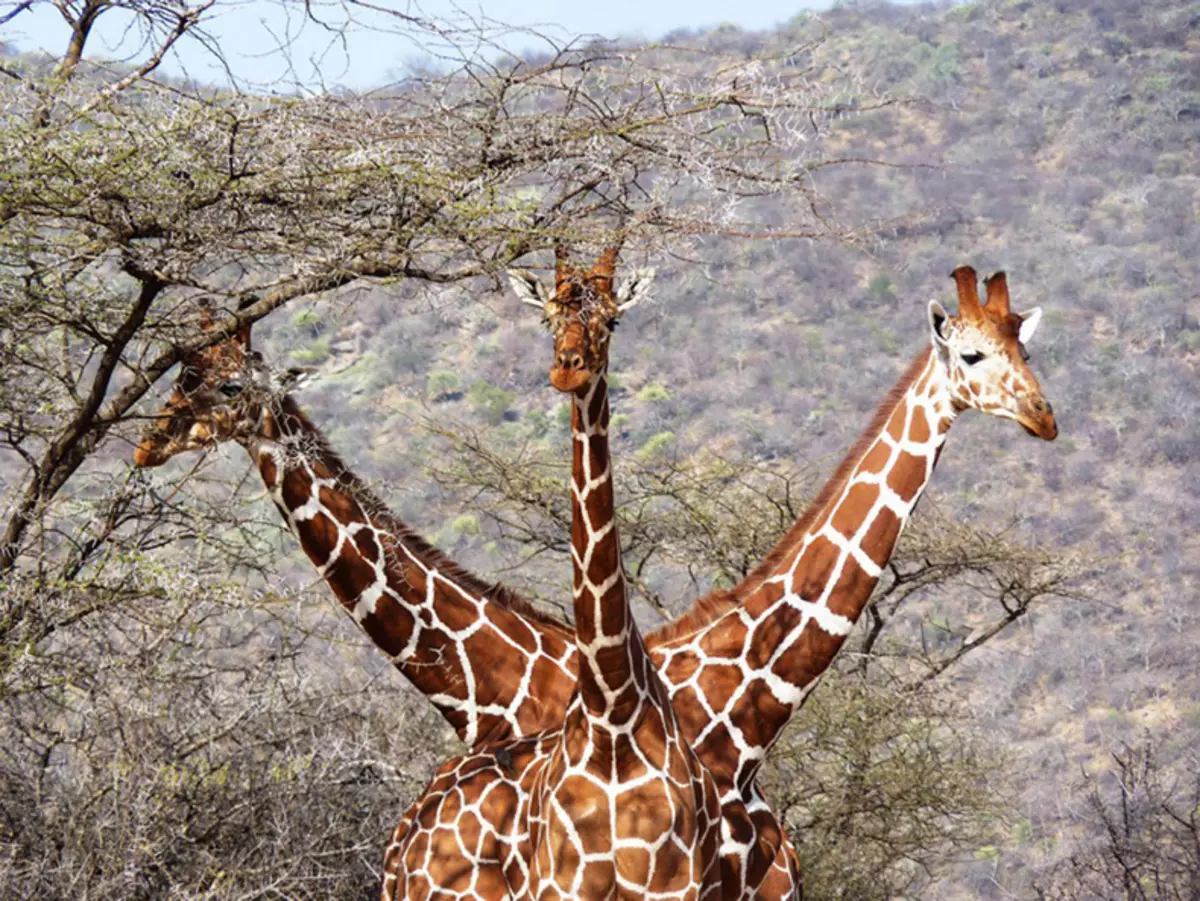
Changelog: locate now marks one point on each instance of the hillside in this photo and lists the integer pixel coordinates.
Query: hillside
(1057, 141)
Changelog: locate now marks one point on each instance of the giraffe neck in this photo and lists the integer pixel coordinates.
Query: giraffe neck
(472, 649)
(612, 658)
(792, 613)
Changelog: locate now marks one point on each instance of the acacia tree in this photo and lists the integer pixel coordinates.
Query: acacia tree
(1141, 832)
(164, 730)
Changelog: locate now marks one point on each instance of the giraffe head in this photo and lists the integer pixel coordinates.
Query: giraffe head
(983, 350)
(581, 313)
(218, 396)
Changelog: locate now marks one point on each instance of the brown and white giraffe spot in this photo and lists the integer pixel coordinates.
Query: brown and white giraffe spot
(633, 864)
(599, 880)
(876, 459)
(769, 634)
(852, 585)
(517, 630)
(681, 667)
(390, 626)
(908, 476)
(718, 751)
(451, 610)
(741, 829)
(417, 885)
(318, 536)
(652, 739)
(555, 689)
(602, 569)
(814, 569)
(918, 426)
(499, 806)
(589, 812)
(646, 812)
(368, 546)
(341, 505)
(853, 508)
(444, 846)
(880, 540)
(758, 712)
(575, 743)
(296, 488)
(808, 657)
(349, 575)
(598, 448)
(720, 681)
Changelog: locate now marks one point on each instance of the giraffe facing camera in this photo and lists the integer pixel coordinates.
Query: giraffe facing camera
(581, 313)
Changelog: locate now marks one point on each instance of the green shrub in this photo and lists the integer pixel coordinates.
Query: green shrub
(488, 400)
(653, 392)
(441, 384)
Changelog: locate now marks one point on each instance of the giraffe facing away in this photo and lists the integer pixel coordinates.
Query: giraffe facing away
(494, 666)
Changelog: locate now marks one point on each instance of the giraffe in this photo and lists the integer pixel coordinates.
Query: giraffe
(623, 807)
(742, 661)
(494, 666)
(615, 804)
(469, 835)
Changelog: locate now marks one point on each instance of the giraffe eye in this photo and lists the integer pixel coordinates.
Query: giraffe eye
(972, 357)
(231, 389)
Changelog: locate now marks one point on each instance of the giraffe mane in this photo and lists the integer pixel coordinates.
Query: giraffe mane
(377, 509)
(718, 602)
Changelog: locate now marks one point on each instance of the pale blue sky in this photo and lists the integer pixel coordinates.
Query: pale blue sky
(250, 31)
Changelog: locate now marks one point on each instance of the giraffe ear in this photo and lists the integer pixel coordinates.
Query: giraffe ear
(937, 322)
(635, 289)
(1029, 324)
(528, 287)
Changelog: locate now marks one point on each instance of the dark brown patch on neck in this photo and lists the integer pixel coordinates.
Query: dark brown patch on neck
(716, 604)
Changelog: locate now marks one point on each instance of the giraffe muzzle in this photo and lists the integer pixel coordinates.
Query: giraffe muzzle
(1037, 418)
(569, 372)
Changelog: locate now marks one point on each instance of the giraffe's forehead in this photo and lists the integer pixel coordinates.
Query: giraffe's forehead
(584, 299)
(994, 336)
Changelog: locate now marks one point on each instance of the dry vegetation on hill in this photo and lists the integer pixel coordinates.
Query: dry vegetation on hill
(183, 711)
